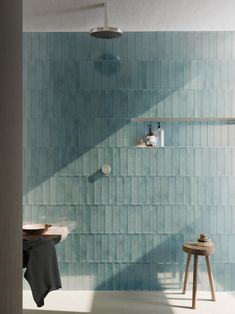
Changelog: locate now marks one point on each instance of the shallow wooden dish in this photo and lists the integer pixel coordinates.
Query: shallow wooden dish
(35, 229)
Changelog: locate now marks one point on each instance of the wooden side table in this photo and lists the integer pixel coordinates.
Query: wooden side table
(196, 250)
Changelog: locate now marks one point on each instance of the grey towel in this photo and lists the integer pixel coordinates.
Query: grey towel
(42, 272)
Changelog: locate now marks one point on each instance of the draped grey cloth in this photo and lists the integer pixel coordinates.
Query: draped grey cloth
(42, 272)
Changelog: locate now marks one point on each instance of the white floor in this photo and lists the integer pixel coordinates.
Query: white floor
(71, 302)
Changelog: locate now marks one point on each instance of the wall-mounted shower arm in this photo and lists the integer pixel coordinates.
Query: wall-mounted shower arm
(106, 14)
(106, 11)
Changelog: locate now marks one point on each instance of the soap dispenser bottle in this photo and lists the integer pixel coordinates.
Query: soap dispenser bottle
(160, 136)
(151, 139)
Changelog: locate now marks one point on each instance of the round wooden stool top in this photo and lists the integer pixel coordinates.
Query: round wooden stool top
(194, 248)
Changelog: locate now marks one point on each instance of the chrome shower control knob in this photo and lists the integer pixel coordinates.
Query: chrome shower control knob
(106, 169)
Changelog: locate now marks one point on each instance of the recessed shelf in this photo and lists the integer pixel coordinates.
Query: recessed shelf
(184, 119)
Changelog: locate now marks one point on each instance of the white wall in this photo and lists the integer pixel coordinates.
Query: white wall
(130, 15)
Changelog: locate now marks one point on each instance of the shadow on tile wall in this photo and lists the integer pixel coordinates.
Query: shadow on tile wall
(79, 96)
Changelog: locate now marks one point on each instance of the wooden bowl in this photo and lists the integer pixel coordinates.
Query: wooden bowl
(35, 229)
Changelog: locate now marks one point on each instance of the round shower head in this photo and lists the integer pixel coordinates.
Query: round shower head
(106, 32)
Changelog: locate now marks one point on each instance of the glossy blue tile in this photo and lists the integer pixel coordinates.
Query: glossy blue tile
(78, 96)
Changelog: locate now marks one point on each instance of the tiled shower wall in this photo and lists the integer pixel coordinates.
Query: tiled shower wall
(127, 229)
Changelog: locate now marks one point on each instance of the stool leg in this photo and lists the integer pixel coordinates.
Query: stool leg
(211, 281)
(194, 281)
(186, 273)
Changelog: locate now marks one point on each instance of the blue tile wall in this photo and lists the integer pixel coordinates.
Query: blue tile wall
(127, 229)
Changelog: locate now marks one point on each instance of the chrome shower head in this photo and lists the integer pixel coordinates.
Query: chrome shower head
(106, 32)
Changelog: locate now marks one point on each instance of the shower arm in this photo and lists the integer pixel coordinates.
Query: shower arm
(106, 14)
(106, 10)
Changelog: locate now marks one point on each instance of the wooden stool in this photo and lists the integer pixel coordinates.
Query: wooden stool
(196, 249)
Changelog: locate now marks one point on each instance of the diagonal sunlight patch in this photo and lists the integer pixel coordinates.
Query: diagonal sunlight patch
(167, 105)
(47, 138)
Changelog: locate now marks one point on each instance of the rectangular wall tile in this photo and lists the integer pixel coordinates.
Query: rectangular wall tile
(127, 229)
